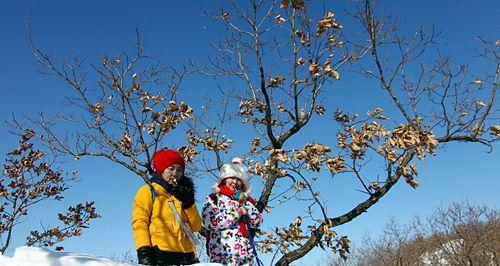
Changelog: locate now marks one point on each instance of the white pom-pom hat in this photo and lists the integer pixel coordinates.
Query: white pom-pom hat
(233, 169)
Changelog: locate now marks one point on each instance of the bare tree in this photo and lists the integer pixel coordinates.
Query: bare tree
(28, 179)
(286, 57)
(460, 234)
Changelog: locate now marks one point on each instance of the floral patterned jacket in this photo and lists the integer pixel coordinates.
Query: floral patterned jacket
(226, 244)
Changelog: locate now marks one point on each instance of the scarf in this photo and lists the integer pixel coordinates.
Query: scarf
(226, 191)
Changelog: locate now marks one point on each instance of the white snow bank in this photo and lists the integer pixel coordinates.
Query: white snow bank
(30, 256)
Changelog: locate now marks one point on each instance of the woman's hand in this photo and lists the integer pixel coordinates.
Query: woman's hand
(184, 194)
(145, 256)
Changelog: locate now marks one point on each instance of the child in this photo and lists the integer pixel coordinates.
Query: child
(228, 214)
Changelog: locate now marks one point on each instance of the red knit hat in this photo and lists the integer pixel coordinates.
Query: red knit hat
(165, 158)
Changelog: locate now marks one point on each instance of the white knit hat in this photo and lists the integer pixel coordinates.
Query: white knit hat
(233, 169)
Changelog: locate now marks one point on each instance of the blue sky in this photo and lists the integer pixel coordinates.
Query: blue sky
(176, 32)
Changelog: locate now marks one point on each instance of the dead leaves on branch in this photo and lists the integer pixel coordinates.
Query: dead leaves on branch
(168, 118)
(335, 165)
(266, 169)
(304, 40)
(279, 19)
(327, 22)
(98, 108)
(295, 4)
(495, 131)
(317, 70)
(331, 72)
(248, 109)
(126, 141)
(291, 235)
(209, 139)
(74, 222)
(284, 238)
(405, 137)
(28, 178)
(276, 81)
(255, 145)
(315, 156)
(320, 109)
(409, 172)
(280, 155)
(188, 153)
(392, 144)
(377, 113)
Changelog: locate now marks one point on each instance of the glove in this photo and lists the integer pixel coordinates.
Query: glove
(242, 211)
(185, 195)
(145, 255)
(240, 196)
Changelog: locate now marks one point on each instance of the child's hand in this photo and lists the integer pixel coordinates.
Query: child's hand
(240, 196)
(242, 211)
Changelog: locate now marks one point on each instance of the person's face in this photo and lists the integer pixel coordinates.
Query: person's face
(173, 174)
(233, 183)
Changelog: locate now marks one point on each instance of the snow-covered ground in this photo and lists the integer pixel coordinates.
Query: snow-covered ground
(30, 256)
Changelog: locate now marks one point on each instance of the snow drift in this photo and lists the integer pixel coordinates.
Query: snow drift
(30, 256)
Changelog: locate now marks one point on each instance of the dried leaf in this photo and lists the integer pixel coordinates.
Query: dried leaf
(98, 107)
(495, 130)
(320, 110)
(155, 115)
(326, 23)
(315, 69)
(334, 74)
(279, 19)
(276, 81)
(281, 107)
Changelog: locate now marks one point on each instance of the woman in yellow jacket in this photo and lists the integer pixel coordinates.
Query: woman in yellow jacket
(158, 235)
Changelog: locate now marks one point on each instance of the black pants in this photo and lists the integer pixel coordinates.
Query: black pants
(165, 258)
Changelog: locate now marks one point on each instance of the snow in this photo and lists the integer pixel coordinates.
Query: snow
(31, 256)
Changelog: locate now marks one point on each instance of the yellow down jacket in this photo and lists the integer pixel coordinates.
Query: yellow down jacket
(155, 225)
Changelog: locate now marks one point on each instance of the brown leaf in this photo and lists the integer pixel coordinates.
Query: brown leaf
(314, 69)
(334, 74)
(276, 81)
(320, 110)
(155, 115)
(326, 23)
(495, 130)
(98, 108)
(279, 19)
